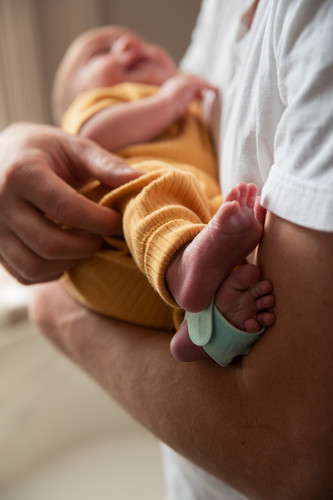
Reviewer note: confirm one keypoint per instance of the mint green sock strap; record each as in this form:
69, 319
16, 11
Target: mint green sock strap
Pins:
221, 340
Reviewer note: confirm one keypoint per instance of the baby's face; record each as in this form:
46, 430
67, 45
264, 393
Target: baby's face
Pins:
107, 56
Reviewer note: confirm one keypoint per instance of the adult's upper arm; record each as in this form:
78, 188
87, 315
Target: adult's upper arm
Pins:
289, 373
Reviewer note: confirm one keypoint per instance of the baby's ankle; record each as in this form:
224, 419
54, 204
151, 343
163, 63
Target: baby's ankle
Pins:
174, 275
180, 279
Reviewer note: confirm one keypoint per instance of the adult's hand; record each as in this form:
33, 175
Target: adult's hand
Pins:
45, 225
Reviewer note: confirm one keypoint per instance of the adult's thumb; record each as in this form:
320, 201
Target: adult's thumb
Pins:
92, 161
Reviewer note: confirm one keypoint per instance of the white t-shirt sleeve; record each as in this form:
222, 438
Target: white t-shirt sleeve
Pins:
300, 182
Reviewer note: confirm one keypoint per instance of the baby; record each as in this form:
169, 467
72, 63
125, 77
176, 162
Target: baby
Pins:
181, 244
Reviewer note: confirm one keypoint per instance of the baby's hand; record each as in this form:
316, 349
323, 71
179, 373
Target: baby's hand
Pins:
182, 89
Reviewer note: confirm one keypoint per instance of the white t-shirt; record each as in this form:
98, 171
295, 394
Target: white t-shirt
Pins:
275, 77
277, 92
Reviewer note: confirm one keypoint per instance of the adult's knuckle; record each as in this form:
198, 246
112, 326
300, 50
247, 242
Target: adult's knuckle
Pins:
34, 272
45, 247
15, 172
28, 274
21, 170
26, 281
64, 210
3, 209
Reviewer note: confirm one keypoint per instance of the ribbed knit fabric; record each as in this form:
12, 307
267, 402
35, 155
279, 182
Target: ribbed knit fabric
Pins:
162, 210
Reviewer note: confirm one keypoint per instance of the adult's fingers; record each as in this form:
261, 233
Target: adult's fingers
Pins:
27, 267
61, 203
91, 160
45, 238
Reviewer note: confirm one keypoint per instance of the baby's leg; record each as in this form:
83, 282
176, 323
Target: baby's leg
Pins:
242, 300
197, 270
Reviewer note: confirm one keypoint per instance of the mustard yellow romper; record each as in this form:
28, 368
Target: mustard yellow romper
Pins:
162, 210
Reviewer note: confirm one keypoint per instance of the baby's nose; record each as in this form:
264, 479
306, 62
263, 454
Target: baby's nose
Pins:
128, 41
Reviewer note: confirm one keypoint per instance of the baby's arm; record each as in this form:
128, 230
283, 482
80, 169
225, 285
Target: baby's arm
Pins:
125, 124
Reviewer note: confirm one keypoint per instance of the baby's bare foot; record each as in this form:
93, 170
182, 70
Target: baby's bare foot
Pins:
196, 272
242, 300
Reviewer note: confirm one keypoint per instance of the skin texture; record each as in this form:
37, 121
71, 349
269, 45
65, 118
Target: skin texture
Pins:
268, 428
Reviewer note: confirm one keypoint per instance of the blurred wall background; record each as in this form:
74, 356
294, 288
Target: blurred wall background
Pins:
35, 33
51, 412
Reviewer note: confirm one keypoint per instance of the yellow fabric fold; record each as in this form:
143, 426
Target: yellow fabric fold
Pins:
162, 210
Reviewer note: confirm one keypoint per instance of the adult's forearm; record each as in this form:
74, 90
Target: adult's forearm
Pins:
183, 404
263, 424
